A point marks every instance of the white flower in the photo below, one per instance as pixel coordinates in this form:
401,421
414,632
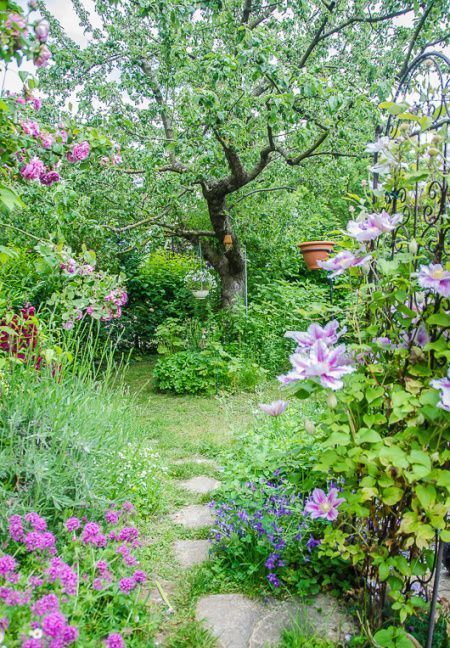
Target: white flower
36,633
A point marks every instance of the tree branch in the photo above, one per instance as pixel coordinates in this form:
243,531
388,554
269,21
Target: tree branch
246,11
317,37
255,191
233,159
414,39
302,156
365,19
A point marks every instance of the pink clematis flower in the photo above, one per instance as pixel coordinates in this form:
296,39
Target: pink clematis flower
324,505
436,278
328,333
33,170
276,408
338,264
374,225
444,386
328,365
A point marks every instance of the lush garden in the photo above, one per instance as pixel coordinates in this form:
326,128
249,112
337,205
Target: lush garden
224,256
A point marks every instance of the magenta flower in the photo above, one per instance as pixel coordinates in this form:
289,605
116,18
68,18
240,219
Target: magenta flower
126,585
41,30
443,385
8,565
68,325
324,505
60,571
70,635
40,541
33,170
36,103
45,605
32,643
72,524
21,100
276,408
114,640
328,365
54,624
30,128
374,225
342,262
139,576
305,339
112,517
15,528
436,278
47,141
37,522
79,152
50,178
43,57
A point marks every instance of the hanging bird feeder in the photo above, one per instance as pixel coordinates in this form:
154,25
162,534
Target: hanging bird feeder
228,242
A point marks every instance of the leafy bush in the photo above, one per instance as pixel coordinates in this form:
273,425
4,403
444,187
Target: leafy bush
205,370
79,586
157,290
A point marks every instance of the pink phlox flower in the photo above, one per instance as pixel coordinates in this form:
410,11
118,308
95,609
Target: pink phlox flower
60,571
327,364
324,505
8,565
128,534
45,605
13,598
15,528
97,584
338,264
40,541
276,408
127,585
436,278
35,581
112,517
128,507
72,524
443,384
54,624
79,152
328,333
37,522
32,643
70,635
33,170
114,640
139,576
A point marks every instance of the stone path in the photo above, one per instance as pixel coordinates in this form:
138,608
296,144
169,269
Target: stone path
200,485
239,622
191,552
193,516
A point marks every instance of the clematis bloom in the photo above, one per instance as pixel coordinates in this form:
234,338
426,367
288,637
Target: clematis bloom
436,278
444,386
306,339
338,264
324,505
373,226
276,408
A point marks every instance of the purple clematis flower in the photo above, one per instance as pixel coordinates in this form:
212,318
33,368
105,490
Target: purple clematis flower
276,408
436,278
324,505
444,385
342,262
328,333
374,225
329,365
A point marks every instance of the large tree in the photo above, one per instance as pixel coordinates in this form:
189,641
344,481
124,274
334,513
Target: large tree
209,93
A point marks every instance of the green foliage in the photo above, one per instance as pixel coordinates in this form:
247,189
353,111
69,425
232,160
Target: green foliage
206,370
157,291
296,637
57,430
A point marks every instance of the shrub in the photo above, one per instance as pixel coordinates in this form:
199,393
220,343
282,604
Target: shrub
79,586
157,290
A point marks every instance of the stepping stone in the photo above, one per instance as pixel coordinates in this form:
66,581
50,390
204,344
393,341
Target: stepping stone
191,552
239,622
194,516
229,617
169,589
200,485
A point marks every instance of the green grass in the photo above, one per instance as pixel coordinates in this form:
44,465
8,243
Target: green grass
296,637
182,427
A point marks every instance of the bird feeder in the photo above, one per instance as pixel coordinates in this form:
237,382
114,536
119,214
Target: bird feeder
228,242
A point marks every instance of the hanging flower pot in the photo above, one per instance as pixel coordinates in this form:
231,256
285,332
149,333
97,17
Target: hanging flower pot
314,251
200,294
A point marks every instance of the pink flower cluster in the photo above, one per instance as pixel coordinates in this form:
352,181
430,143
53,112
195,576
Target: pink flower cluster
79,152
35,170
315,357
48,616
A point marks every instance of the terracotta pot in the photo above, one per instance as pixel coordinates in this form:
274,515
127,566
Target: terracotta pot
314,251
200,294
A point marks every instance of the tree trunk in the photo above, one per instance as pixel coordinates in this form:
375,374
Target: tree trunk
229,263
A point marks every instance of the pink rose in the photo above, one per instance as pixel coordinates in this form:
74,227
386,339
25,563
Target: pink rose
33,170
49,178
41,30
47,141
43,57
79,152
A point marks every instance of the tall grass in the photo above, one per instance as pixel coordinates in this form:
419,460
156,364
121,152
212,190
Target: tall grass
61,431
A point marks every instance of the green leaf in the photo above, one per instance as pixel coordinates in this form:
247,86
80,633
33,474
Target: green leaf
372,393
426,493
392,107
392,495
366,435
439,319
